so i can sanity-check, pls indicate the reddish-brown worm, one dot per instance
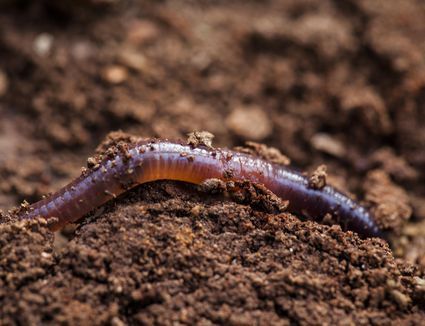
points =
(164, 160)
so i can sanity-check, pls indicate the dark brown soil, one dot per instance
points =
(340, 83)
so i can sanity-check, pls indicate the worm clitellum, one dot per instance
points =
(164, 160)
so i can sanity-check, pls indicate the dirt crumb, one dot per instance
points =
(115, 74)
(213, 186)
(112, 140)
(203, 138)
(317, 179)
(43, 44)
(91, 162)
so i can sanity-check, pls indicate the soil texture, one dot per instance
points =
(334, 88)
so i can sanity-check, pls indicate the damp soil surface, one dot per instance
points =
(336, 87)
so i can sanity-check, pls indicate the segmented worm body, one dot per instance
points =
(164, 160)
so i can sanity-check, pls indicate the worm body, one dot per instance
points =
(164, 160)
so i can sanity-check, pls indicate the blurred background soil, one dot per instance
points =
(340, 83)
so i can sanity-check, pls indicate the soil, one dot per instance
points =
(336, 88)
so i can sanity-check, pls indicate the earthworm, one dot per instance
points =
(152, 160)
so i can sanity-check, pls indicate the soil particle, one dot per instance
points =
(115, 74)
(203, 138)
(91, 162)
(213, 186)
(43, 44)
(317, 179)
(256, 195)
(114, 143)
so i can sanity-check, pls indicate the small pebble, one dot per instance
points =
(46, 254)
(43, 44)
(91, 162)
(115, 74)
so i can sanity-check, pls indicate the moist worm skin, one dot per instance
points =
(164, 160)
